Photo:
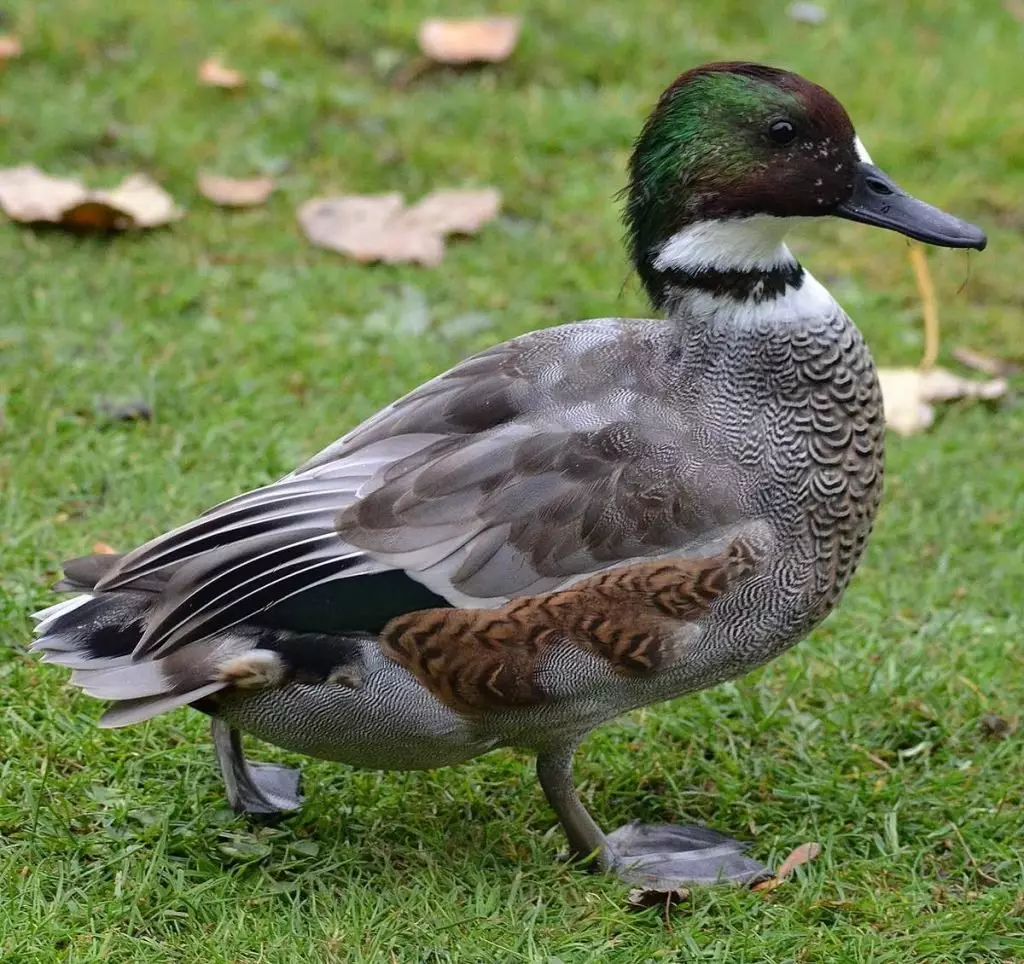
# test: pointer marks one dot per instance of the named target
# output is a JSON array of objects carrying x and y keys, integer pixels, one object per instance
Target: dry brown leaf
[
  {"x": 1015, "y": 8},
  {"x": 102, "y": 549},
  {"x": 986, "y": 364},
  {"x": 232, "y": 192},
  {"x": 799, "y": 855},
  {"x": 454, "y": 211},
  {"x": 909, "y": 392},
  {"x": 142, "y": 199},
  {"x": 483, "y": 40},
  {"x": 10, "y": 47},
  {"x": 213, "y": 72},
  {"x": 31, "y": 196},
  {"x": 368, "y": 228},
  {"x": 378, "y": 227}
]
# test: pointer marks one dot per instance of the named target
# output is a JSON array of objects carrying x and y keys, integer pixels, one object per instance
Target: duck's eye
[{"x": 781, "y": 132}]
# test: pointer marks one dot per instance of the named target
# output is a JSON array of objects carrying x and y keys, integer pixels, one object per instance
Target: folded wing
[{"x": 520, "y": 471}]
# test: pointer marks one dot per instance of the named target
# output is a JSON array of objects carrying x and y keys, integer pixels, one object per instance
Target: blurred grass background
[{"x": 254, "y": 350}]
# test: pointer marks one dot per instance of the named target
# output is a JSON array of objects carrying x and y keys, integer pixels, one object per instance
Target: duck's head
[{"x": 732, "y": 151}]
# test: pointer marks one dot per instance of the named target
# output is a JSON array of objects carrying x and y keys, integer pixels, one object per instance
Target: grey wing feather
[{"x": 520, "y": 470}]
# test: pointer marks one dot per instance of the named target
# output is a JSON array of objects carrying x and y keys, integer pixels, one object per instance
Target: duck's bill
[{"x": 878, "y": 200}]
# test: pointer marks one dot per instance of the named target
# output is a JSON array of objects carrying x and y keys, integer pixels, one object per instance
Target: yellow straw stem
[{"x": 926, "y": 292}]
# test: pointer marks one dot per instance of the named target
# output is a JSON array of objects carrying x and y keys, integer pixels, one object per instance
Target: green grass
[{"x": 255, "y": 349}]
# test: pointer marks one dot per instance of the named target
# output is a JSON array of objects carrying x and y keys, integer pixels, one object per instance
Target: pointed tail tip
[
  {"x": 46, "y": 618},
  {"x": 128, "y": 712}
]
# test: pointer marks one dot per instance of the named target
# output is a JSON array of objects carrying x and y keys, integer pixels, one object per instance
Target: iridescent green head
[{"x": 738, "y": 140}]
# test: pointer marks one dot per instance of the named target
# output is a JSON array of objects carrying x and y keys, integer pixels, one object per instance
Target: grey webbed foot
[
  {"x": 664, "y": 856},
  {"x": 655, "y": 857},
  {"x": 256, "y": 788}
]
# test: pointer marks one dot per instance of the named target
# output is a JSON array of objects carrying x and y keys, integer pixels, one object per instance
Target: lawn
[{"x": 255, "y": 349}]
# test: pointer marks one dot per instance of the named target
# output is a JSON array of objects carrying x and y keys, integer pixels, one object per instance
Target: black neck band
[{"x": 755, "y": 285}]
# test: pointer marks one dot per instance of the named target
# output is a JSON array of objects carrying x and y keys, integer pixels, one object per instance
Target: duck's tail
[{"x": 95, "y": 635}]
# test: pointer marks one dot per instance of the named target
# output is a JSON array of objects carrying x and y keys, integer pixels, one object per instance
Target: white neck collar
[{"x": 733, "y": 244}]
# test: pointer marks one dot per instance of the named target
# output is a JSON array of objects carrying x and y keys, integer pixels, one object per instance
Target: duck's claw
[{"x": 664, "y": 857}]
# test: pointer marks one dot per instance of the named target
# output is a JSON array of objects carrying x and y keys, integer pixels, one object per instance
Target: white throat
[
  {"x": 751, "y": 245},
  {"x": 733, "y": 244}
]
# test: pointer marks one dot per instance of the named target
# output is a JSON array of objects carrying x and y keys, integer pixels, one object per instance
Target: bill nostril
[{"x": 878, "y": 186}]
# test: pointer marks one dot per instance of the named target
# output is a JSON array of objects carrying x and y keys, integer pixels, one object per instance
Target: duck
[{"x": 573, "y": 524}]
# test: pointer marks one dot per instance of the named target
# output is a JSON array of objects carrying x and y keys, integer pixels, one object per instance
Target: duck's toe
[{"x": 664, "y": 857}]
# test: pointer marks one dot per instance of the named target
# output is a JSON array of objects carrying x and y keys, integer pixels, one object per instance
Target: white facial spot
[
  {"x": 861, "y": 151},
  {"x": 818, "y": 182}
]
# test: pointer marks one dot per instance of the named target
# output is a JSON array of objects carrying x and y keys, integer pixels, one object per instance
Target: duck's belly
[
  {"x": 392, "y": 722},
  {"x": 389, "y": 723}
]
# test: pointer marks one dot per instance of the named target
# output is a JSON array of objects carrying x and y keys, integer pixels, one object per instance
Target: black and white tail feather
[
  {"x": 95, "y": 636},
  {"x": 162, "y": 626}
]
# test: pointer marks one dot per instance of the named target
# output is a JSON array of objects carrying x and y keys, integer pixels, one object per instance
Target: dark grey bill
[{"x": 878, "y": 200}]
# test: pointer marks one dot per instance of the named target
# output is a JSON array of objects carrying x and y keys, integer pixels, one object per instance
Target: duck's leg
[
  {"x": 652, "y": 856},
  {"x": 259, "y": 788},
  {"x": 586, "y": 839}
]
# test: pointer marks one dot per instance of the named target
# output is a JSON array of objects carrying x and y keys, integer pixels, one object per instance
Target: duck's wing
[{"x": 521, "y": 470}]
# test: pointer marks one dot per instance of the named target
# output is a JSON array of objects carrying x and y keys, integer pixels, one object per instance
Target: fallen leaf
[
  {"x": 213, "y": 72},
  {"x": 803, "y": 854},
  {"x": 453, "y": 211},
  {"x": 31, "y": 196},
  {"x": 800, "y": 855},
  {"x": 483, "y": 40},
  {"x": 378, "y": 227},
  {"x": 986, "y": 364},
  {"x": 641, "y": 899},
  {"x": 140, "y": 198},
  {"x": 367, "y": 228},
  {"x": 909, "y": 392},
  {"x": 102, "y": 549},
  {"x": 10, "y": 47},
  {"x": 997, "y": 726},
  {"x": 1015, "y": 8},
  {"x": 803, "y": 12},
  {"x": 231, "y": 192}
]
